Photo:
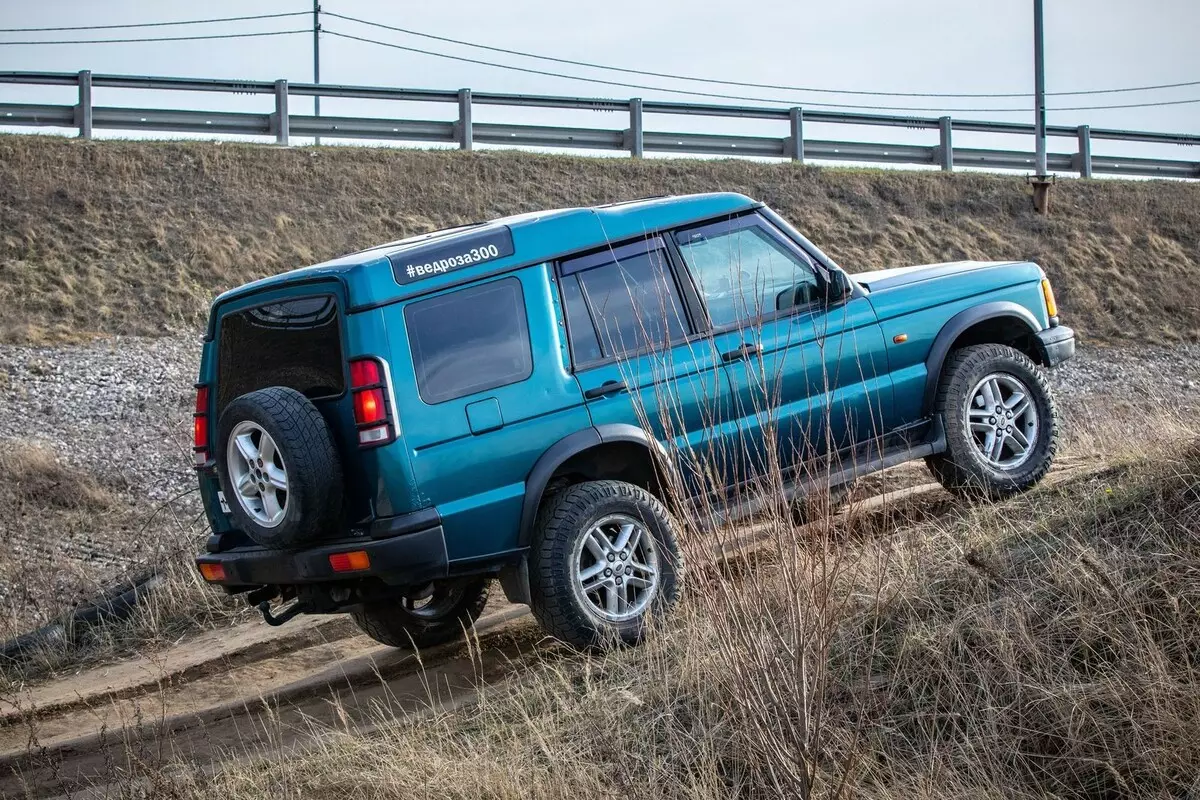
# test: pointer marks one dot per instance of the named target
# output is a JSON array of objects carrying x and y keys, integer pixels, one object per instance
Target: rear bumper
[
  {"x": 1056, "y": 345},
  {"x": 407, "y": 558}
]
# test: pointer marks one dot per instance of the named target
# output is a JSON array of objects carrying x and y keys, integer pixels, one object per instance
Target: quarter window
[
  {"x": 469, "y": 340},
  {"x": 745, "y": 273},
  {"x": 621, "y": 302}
]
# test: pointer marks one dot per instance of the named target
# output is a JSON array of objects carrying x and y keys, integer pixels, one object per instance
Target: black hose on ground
[{"x": 114, "y": 604}]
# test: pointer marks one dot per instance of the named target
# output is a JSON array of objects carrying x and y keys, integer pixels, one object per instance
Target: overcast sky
[{"x": 874, "y": 45}]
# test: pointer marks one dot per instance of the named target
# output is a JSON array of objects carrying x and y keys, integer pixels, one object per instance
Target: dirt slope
[{"x": 137, "y": 237}]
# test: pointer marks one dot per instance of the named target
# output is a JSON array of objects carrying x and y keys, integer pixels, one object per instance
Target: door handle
[
  {"x": 744, "y": 351},
  {"x": 605, "y": 389}
]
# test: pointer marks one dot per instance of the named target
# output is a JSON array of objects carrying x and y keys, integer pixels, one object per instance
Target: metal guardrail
[{"x": 635, "y": 138}]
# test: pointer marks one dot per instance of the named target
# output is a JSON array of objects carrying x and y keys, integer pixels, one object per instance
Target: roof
[{"x": 537, "y": 237}]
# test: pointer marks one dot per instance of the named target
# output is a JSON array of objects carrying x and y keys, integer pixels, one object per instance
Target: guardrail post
[
  {"x": 796, "y": 115},
  {"x": 83, "y": 111},
  {"x": 1083, "y": 161},
  {"x": 946, "y": 146},
  {"x": 465, "y": 131},
  {"x": 280, "y": 118},
  {"x": 635, "y": 127}
]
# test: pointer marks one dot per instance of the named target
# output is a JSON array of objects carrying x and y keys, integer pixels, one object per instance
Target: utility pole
[
  {"x": 316, "y": 60},
  {"x": 1041, "y": 181}
]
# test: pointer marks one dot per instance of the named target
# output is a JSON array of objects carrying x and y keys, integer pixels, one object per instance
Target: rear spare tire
[{"x": 278, "y": 468}]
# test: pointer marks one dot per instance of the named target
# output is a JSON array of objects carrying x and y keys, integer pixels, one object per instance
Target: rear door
[
  {"x": 481, "y": 386},
  {"x": 806, "y": 379},
  {"x": 642, "y": 358}
]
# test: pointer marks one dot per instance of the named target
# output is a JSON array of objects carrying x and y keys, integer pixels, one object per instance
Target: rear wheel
[
  {"x": 1000, "y": 419},
  {"x": 605, "y": 560},
  {"x": 279, "y": 468},
  {"x": 438, "y": 616}
]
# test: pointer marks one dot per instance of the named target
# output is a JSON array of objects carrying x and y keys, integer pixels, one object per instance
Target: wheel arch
[
  {"x": 616, "y": 451},
  {"x": 1000, "y": 322}
]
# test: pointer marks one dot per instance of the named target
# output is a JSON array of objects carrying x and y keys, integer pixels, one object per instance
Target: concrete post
[
  {"x": 796, "y": 116},
  {"x": 83, "y": 111},
  {"x": 465, "y": 130},
  {"x": 281, "y": 112}
]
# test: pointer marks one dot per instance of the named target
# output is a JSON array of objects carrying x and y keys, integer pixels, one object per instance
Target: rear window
[
  {"x": 469, "y": 340},
  {"x": 297, "y": 343}
]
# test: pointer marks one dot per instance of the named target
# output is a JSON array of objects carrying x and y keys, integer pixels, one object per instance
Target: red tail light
[
  {"x": 200, "y": 427},
  {"x": 368, "y": 386}
]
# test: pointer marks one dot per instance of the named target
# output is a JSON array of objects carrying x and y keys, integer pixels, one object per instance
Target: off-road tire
[
  {"x": 314, "y": 471},
  {"x": 390, "y": 623},
  {"x": 961, "y": 469},
  {"x": 564, "y": 518}
]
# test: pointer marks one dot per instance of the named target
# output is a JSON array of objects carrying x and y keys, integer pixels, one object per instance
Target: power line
[
  {"x": 716, "y": 95},
  {"x": 164, "y": 38},
  {"x": 624, "y": 85},
  {"x": 153, "y": 24},
  {"x": 671, "y": 76},
  {"x": 1127, "y": 105}
]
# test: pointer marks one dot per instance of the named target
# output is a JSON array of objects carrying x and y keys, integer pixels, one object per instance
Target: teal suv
[{"x": 546, "y": 398}]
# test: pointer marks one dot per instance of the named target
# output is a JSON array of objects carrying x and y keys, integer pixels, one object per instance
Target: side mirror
[{"x": 839, "y": 288}]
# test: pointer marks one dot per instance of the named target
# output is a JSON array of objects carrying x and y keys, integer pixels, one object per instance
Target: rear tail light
[
  {"x": 372, "y": 415},
  {"x": 200, "y": 427}
]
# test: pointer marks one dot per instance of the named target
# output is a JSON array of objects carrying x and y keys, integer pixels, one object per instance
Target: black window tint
[
  {"x": 635, "y": 303},
  {"x": 296, "y": 343},
  {"x": 470, "y": 340},
  {"x": 585, "y": 347}
]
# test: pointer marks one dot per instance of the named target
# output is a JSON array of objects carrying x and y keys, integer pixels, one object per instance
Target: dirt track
[{"x": 240, "y": 691}]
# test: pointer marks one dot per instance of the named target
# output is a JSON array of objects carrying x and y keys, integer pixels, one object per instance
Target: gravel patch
[{"x": 119, "y": 408}]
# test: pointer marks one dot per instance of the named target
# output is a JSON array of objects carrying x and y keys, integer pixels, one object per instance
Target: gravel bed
[{"x": 119, "y": 408}]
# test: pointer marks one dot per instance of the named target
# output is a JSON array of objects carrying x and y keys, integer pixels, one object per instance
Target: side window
[
  {"x": 469, "y": 340},
  {"x": 744, "y": 272},
  {"x": 585, "y": 344},
  {"x": 621, "y": 302}
]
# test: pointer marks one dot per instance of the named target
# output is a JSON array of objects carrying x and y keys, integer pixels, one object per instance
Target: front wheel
[
  {"x": 605, "y": 560},
  {"x": 1000, "y": 419},
  {"x": 436, "y": 617}
]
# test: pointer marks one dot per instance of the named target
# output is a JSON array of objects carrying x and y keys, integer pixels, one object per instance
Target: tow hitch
[
  {"x": 261, "y": 599},
  {"x": 295, "y": 609}
]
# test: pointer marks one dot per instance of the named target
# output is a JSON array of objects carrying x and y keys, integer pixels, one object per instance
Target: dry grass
[
  {"x": 1044, "y": 646},
  {"x": 137, "y": 237},
  {"x": 68, "y": 538}
]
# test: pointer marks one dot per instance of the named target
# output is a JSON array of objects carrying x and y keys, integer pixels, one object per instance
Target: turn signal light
[
  {"x": 213, "y": 573},
  {"x": 1048, "y": 293},
  {"x": 354, "y": 561}
]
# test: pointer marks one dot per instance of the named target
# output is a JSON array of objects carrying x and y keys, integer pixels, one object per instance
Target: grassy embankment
[{"x": 137, "y": 237}]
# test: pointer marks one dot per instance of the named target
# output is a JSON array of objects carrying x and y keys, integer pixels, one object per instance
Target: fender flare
[
  {"x": 955, "y": 326},
  {"x": 558, "y": 453}
]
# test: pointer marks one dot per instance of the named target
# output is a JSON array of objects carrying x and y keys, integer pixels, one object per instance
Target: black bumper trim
[
  {"x": 1056, "y": 344},
  {"x": 411, "y": 558},
  {"x": 388, "y": 527}
]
